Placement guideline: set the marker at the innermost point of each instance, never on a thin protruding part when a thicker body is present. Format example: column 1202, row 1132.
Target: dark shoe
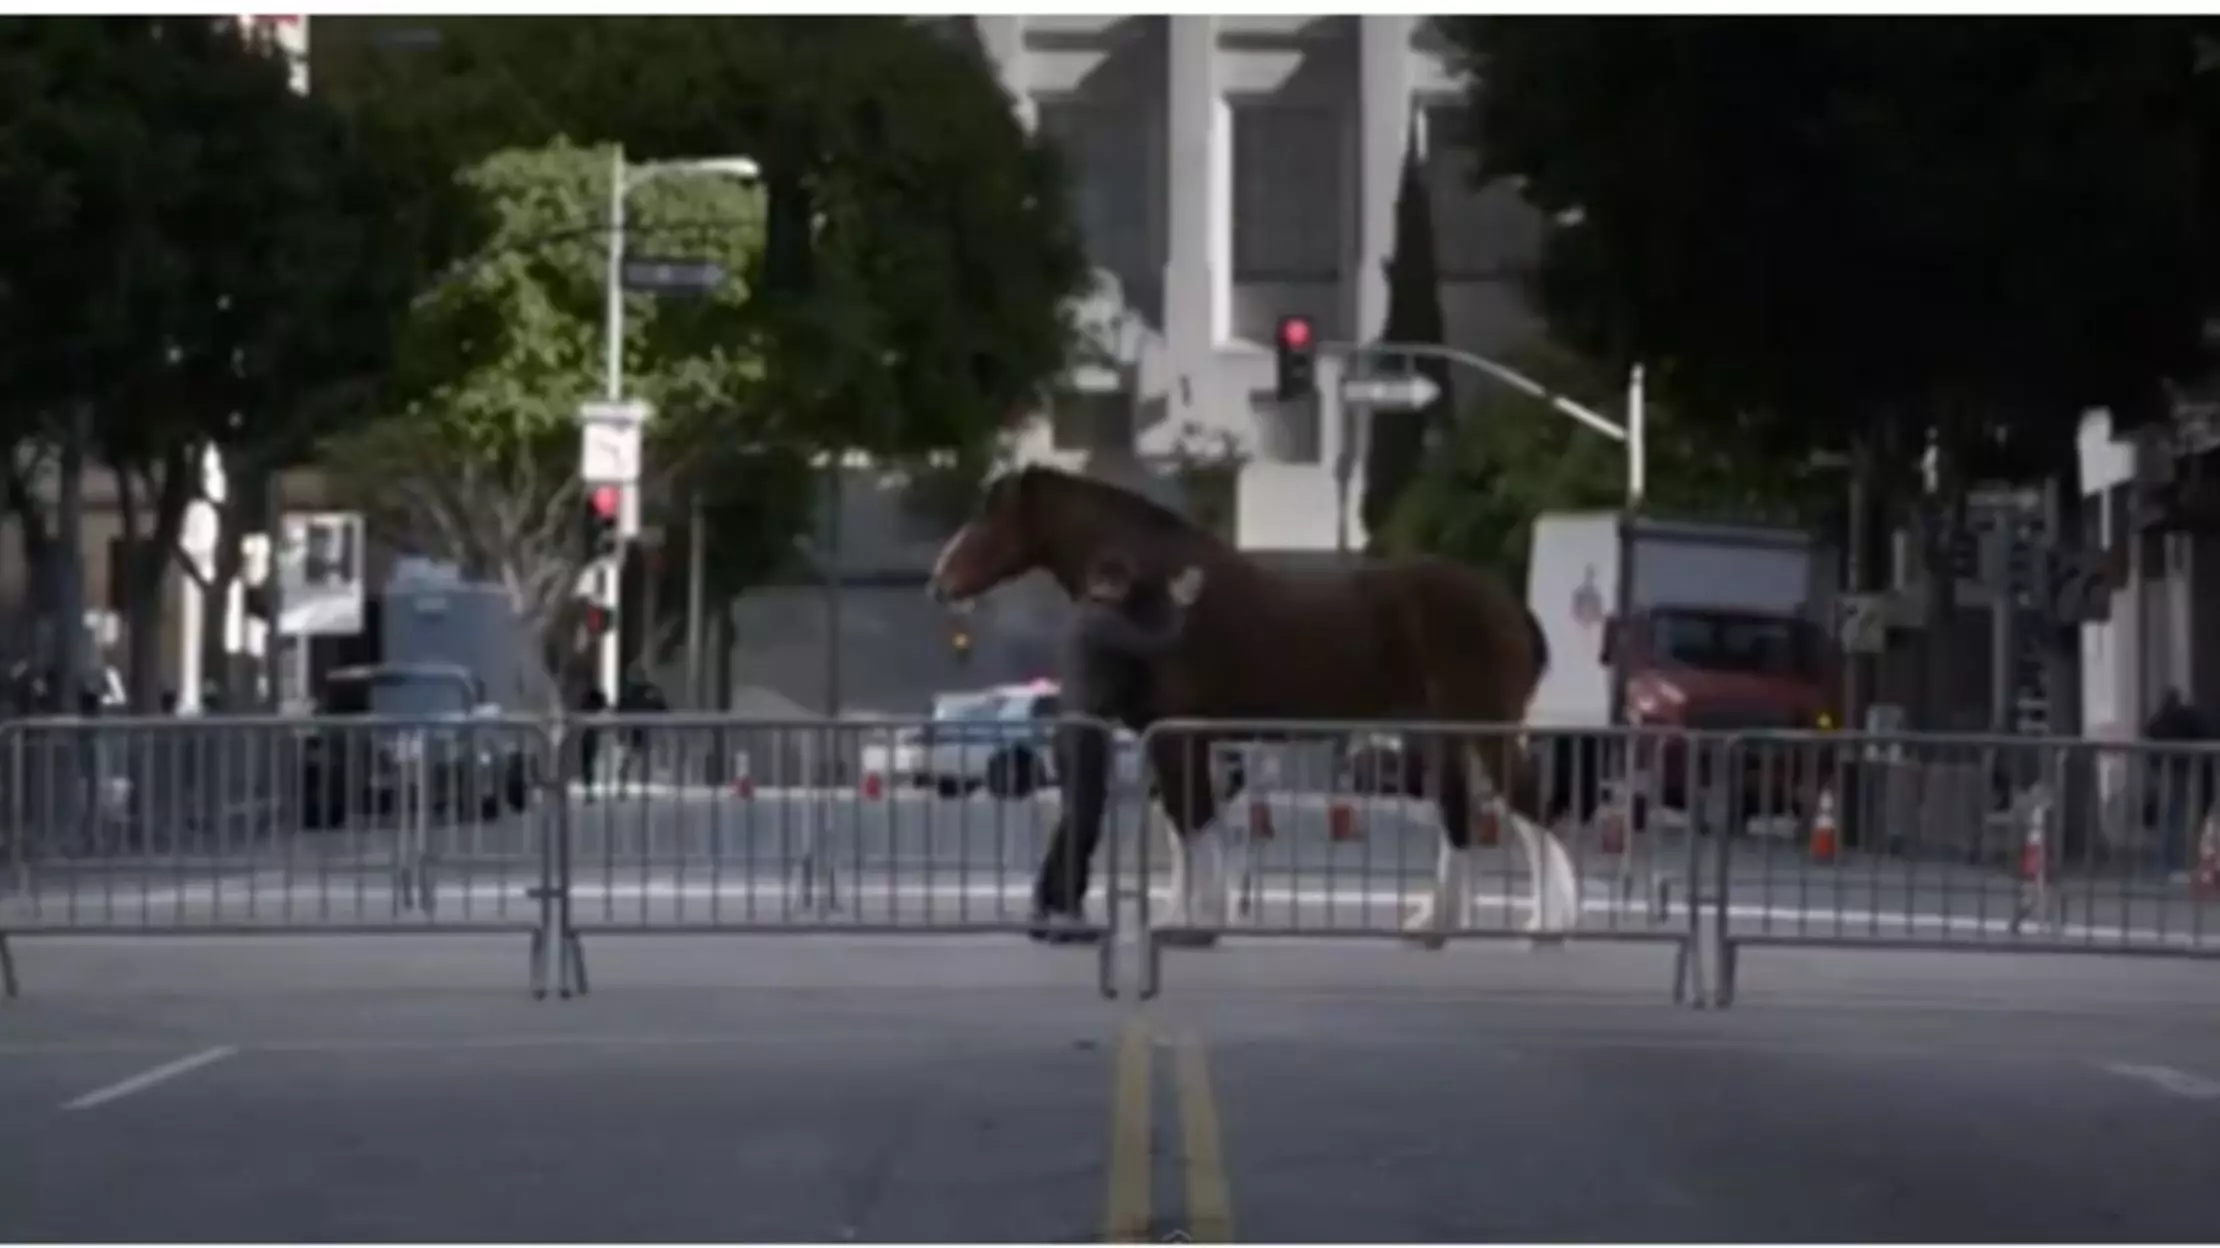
column 1057, row 927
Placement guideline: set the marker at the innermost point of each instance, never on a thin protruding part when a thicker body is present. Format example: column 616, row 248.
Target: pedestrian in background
column 2178, row 787
column 591, row 701
column 638, row 696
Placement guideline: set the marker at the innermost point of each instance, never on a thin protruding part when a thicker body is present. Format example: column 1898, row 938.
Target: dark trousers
column 635, row 758
column 1083, row 764
column 589, row 753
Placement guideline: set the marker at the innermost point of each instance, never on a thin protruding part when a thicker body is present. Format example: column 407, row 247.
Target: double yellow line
column 1202, row 1149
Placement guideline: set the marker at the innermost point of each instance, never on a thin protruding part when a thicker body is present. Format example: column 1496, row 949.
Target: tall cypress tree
column 1398, row 439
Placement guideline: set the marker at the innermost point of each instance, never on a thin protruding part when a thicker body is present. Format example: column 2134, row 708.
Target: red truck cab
column 1727, row 669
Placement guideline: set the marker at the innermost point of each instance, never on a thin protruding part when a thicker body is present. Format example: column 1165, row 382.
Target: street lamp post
column 607, row 573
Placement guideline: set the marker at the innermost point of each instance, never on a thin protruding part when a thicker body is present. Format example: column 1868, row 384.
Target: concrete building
column 1229, row 171
column 2162, row 634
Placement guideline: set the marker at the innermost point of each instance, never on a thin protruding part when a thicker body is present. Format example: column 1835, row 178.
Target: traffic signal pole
column 608, row 570
column 604, row 579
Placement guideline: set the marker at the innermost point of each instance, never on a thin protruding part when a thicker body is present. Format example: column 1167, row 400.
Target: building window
column 1290, row 185
column 1212, row 494
column 1479, row 235
column 1288, row 433
column 1106, row 150
column 1091, row 422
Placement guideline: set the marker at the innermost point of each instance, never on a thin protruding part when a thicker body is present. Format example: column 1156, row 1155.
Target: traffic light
column 594, row 618
column 603, row 506
column 1296, row 357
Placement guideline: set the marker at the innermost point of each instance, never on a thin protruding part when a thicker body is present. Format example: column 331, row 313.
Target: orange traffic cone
column 1611, row 830
column 1825, row 835
column 2034, row 850
column 1260, row 821
column 2208, row 854
column 1341, row 822
column 1487, row 826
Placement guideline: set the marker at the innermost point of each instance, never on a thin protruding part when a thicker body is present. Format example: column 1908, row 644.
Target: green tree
column 1509, row 457
column 1397, row 442
column 912, row 299
column 478, row 462
column 920, row 255
column 197, row 260
column 1829, row 233
column 1975, row 224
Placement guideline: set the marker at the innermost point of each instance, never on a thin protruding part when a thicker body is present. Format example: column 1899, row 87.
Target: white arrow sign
column 609, row 442
column 1390, row 393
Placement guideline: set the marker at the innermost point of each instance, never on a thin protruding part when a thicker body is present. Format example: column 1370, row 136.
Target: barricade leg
column 571, row 973
column 536, row 968
column 8, row 987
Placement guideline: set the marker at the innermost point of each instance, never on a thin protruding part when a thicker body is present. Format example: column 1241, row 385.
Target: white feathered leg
column 1554, row 886
column 1450, row 906
column 1173, row 913
column 1206, row 876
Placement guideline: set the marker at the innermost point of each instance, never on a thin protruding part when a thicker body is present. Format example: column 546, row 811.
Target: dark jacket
column 2175, row 720
column 641, row 695
column 1108, row 648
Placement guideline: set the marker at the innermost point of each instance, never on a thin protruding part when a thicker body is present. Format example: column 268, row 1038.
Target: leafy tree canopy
column 1965, row 222
column 920, row 253
column 195, row 255
column 478, row 463
column 1414, row 315
column 1510, row 457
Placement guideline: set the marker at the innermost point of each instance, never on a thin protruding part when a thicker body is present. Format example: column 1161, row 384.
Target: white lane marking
column 2169, row 1080
column 149, row 1078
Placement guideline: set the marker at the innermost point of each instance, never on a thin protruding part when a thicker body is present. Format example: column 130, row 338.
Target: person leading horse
column 1419, row 638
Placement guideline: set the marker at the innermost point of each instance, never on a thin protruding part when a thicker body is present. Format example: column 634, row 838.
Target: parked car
column 351, row 768
column 1379, row 766
column 1001, row 739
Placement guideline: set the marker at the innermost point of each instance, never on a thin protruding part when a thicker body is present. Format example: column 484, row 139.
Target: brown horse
column 1404, row 639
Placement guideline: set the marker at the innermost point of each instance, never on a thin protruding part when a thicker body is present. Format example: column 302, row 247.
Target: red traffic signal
column 1295, row 374
column 601, row 522
column 597, row 619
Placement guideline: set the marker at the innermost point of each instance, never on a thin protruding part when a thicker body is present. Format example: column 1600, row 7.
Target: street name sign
column 1390, row 393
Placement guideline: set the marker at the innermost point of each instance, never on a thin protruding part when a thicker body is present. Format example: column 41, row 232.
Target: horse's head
column 1005, row 540
column 1040, row 517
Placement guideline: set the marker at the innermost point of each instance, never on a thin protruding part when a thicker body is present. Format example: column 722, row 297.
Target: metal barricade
column 1334, row 830
column 574, row 827
column 708, row 823
column 258, row 825
column 1968, row 843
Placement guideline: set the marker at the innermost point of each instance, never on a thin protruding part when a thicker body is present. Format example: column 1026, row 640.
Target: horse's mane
column 1140, row 508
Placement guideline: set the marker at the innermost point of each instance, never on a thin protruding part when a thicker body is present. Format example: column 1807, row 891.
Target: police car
column 1001, row 739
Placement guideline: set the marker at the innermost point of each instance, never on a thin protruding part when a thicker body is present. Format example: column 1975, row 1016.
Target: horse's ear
column 1025, row 487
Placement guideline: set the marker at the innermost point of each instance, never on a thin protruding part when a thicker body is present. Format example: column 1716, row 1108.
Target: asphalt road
column 972, row 1088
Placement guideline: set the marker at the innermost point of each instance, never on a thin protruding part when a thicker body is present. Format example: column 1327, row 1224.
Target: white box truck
column 1725, row 629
